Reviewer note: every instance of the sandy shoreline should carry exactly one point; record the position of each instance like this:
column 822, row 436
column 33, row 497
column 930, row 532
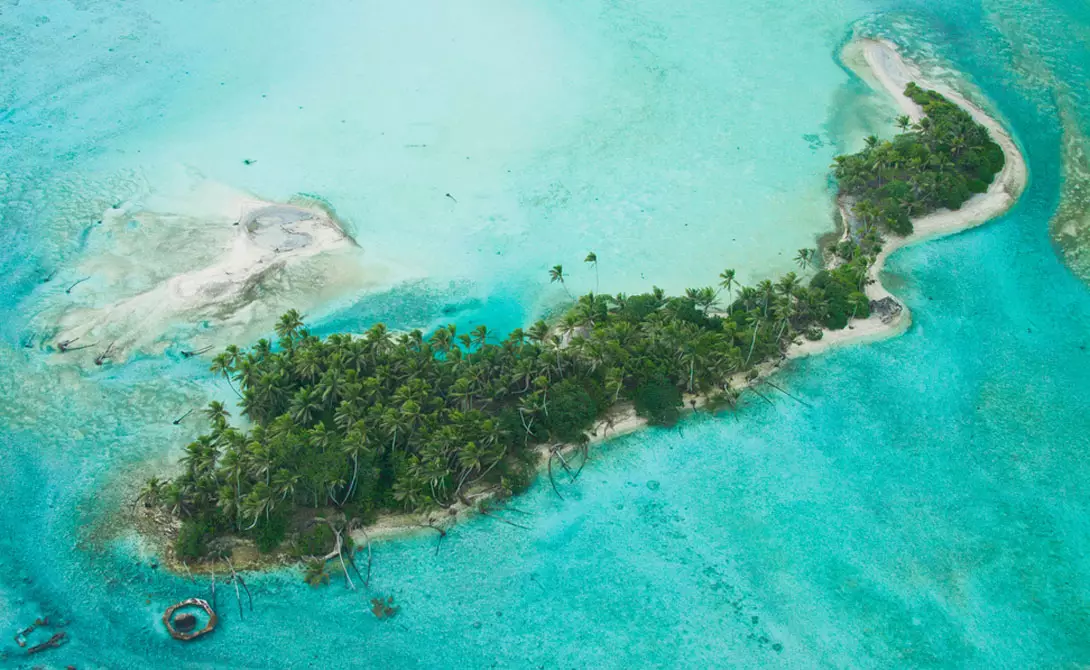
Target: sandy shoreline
column 892, row 73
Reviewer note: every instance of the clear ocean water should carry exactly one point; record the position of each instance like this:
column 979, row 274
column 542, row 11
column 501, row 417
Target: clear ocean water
column 928, row 509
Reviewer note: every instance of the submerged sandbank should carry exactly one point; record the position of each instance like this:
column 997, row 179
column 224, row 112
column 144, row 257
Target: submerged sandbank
column 254, row 259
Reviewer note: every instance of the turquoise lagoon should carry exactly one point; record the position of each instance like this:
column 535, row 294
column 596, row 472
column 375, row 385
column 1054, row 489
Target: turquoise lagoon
column 928, row 509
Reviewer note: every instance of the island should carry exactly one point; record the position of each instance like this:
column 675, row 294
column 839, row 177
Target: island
column 342, row 431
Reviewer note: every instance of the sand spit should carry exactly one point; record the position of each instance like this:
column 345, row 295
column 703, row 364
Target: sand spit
column 887, row 68
column 258, row 258
column 891, row 318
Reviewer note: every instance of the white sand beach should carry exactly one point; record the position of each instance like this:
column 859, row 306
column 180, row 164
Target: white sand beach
column 887, row 68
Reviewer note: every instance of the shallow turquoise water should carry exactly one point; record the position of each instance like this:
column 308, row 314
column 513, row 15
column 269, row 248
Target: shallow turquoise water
column 928, row 510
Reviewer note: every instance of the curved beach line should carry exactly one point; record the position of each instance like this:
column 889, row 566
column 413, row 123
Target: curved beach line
column 892, row 72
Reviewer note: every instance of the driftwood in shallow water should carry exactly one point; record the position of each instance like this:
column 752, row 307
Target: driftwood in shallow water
column 182, row 417
column 367, row 539
column 105, row 354
column 442, row 535
column 763, row 396
column 552, row 481
column 558, row 450
column 52, row 643
column 236, row 579
column 586, row 455
column 488, row 514
column 795, row 398
column 78, row 282
column 338, row 550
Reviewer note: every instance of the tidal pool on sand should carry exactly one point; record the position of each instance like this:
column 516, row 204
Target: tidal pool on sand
column 928, row 509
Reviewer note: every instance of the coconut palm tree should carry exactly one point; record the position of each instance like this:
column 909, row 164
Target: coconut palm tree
column 306, row 405
column 152, row 492
column 221, row 365
column 592, row 258
column 556, row 274
column 726, row 281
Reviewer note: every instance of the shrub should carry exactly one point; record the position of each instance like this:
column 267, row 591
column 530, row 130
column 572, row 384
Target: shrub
column 571, row 411
column 269, row 534
column 317, row 542
column 192, row 540
column 659, row 402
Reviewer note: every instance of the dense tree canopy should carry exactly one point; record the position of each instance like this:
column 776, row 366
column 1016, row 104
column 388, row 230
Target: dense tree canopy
column 939, row 162
column 413, row 421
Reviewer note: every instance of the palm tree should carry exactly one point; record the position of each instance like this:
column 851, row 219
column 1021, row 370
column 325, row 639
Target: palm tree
column 355, row 445
column 221, row 364
column 858, row 301
column 726, row 280
column 556, row 274
column 904, row 122
column 593, row 259
column 804, row 258
column 480, row 335
column 538, row 332
column 289, row 325
column 260, row 501
column 152, row 492
column 217, row 415
column 306, row 405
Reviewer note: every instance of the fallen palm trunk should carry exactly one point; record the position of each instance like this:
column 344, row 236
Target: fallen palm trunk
column 52, row 643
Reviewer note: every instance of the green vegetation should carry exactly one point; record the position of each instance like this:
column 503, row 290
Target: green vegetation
column 939, row 162
column 360, row 425
column 383, row 422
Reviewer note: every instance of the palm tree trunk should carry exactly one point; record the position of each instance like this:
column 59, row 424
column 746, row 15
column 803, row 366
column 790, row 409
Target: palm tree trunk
column 754, row 342
column 355, row 470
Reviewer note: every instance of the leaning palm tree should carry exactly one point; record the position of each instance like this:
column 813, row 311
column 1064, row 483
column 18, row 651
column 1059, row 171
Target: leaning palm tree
column 556, row 274
column 804, row 258
column 904, row 122
column 593, row 259
column 217, row 415
column 152, row 492
column 289, row 325
column 221, row 364
column 726, row 280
